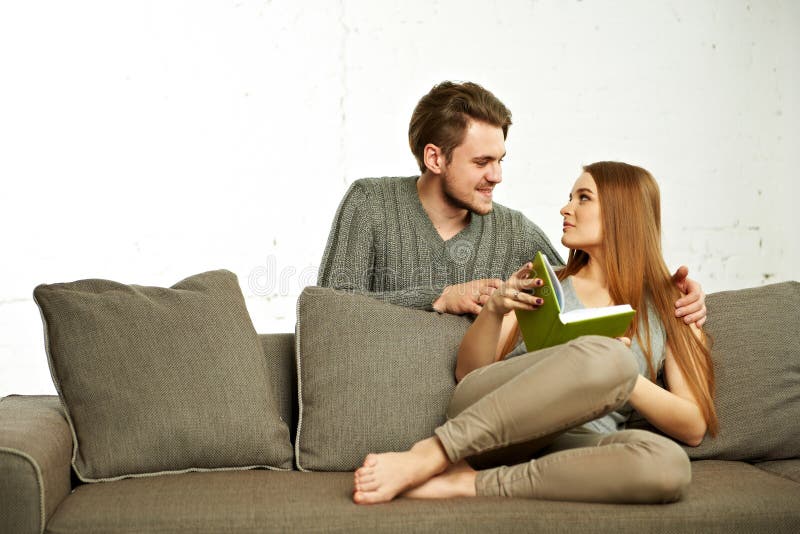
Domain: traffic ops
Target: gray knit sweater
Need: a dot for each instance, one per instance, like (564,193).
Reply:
(382,243)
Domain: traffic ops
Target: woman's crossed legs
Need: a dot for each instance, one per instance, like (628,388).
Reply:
(511,410)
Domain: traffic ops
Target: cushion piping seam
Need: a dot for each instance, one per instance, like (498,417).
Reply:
(181,471)
(57,385)
(297,357)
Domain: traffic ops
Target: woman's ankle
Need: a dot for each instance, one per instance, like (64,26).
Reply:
(432,451)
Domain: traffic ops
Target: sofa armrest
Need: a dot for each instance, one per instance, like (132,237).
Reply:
(35,456)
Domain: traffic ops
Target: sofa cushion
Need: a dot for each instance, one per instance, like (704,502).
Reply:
(279,354)
(757,366)
(373,376)
(725,497)
(786,468)
(35,451)
(161,379)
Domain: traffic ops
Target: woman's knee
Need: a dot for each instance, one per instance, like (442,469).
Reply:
(605,361)
(662,467)
(676,470)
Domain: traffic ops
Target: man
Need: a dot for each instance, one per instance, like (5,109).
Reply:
(437,241)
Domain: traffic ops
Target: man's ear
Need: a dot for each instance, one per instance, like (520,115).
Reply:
(434,158)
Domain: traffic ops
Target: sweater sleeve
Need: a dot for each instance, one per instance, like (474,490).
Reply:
(348,262)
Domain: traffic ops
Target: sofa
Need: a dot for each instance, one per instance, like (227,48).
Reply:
(360,375)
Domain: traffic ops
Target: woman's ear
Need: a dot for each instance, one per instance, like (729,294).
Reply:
(434,158)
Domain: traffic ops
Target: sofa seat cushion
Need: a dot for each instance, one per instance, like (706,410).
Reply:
(724,497)
(786,468)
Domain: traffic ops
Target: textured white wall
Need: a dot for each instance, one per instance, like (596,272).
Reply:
(147,141)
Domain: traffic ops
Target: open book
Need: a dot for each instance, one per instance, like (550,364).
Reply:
(548,326)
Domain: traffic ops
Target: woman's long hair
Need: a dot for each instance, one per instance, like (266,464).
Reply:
(636,274)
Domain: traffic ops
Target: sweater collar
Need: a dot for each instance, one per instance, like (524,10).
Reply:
(425,225)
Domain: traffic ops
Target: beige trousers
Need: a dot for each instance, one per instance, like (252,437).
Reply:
(533,405)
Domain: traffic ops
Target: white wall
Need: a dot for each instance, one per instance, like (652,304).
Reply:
(147,141)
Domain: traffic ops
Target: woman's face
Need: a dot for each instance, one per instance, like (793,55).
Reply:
(583,228)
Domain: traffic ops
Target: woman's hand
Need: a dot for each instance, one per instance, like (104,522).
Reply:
(515,293)
(480,345)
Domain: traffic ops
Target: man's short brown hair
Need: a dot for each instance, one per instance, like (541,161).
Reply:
(442,117)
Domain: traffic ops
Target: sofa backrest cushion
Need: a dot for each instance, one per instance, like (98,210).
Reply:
(372,376)
(282,374)
(756,352)
(159,379)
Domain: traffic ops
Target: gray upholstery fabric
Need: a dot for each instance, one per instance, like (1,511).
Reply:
(786,468)
(757,366)
(725,498)
(373,376)
(161,379)
(35,450)
(282,374)
(21,509)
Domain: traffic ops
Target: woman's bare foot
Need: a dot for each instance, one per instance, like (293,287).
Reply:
(383,476)
(457,481)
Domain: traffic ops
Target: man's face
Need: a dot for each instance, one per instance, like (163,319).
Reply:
(474,169)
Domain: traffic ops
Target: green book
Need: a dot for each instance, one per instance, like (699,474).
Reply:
(548,326)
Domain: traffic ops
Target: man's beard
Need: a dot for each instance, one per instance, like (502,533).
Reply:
(451,197)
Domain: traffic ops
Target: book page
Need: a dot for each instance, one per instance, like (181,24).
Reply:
(556,282)
(591,313)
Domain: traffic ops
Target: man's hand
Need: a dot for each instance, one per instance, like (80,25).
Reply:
(468,297)
(501,297)
(692,306)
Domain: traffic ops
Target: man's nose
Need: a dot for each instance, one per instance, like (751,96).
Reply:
(495,173)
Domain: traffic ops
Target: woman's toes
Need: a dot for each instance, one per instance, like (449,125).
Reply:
(364,471)
(369,497)
(366,479)
(364,497)
(368,485)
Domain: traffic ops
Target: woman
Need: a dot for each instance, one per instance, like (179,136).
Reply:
(567,405)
